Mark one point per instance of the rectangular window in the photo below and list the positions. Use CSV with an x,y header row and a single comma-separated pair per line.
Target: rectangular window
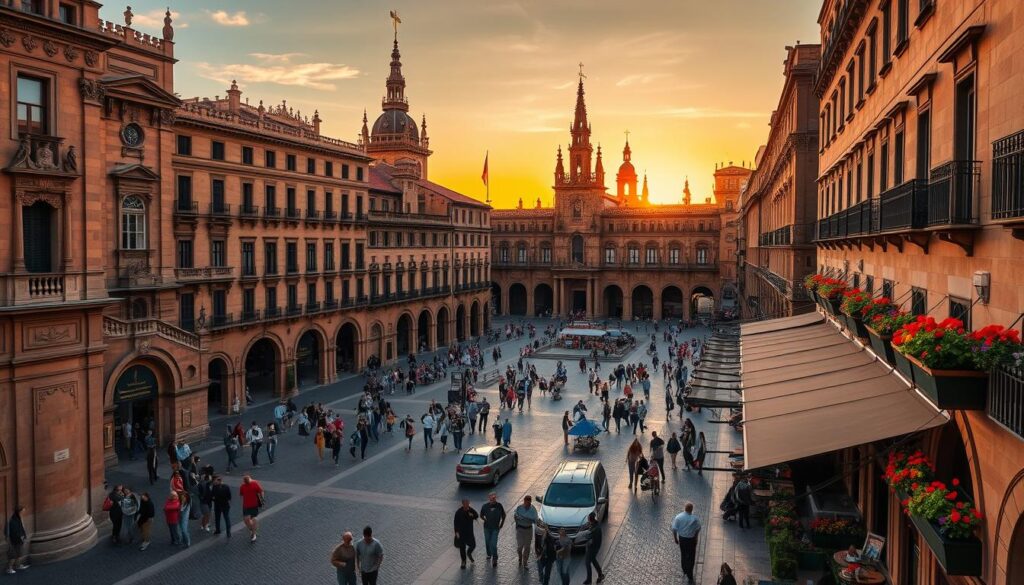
x,y
673,255
218,254
270,159
270,198
329,291
961,309
886,32
184,145
850,89
344,204
187,311
503,255
184,193
344,171
217,196
217,150
360,256
860,74
887,289
634,255
68,15
902,22
247,203
872,57
310,257
883,168
360,288
359,206
247,156
293,296
964,119
329,256
220,305
270,258
869,284
248,303
329,168
918,301
346,262
311,166
860,180
310,200
924,142
545,255
359,173
185,254
328,202
248,259
521,254
346,292
291,257
33,105
290,163
310,294
290,202
702,255
652,256
897,164
271,300
871,176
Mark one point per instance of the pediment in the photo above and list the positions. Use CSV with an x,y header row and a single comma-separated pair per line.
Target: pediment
x,y
134,172
139,89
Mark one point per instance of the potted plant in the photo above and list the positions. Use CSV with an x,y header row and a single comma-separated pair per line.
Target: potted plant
x,y
854,303
810,557
881,323
831,291
836,533
942,357
811,283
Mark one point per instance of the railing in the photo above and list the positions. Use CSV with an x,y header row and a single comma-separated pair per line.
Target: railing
x,y
292,311
221,321
271,312
951,199
43,286
1006,399
292,213
206,273
272,212
904,206
331,215
220,209
330,304
313,307
1008,177
399,216
250,211
780,237
250,316
185,207
313,214
116,328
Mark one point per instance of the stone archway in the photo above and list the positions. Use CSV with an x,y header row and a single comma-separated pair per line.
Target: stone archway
x,y
404,335
346,346
441,331
543,299
423,330
672,306
460,323
261,369
643,302
217,391
613,301
376,342
702,302
308,352
474,319
517,299
496,296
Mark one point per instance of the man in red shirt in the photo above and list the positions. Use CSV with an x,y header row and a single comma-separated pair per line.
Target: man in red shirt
x,y
252,500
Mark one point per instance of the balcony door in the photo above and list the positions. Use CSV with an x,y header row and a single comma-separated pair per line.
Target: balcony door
x,y
37,231
964,126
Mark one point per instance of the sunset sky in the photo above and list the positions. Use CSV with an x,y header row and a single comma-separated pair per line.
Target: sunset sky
x,y
693,81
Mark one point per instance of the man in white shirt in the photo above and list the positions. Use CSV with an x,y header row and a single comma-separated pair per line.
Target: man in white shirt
x,y
428,430
255,437
685,528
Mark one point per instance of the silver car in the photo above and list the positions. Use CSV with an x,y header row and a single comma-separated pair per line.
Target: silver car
x,y
577,489
486,464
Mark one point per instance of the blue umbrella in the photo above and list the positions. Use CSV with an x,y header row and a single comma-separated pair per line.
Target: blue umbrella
x,y
585,428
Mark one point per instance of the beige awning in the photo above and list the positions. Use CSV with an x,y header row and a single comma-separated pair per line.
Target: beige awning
x,y
808,389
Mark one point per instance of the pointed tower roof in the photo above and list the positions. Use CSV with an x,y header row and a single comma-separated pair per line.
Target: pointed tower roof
x,y
686,192
645,193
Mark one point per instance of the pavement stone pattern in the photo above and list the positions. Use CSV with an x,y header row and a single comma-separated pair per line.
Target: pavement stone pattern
x,y
409,499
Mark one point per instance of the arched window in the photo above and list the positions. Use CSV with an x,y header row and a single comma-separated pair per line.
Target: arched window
x,y
545,253
503,253
521,253
609,254
577,248
673,254
133,223
652,255
702,254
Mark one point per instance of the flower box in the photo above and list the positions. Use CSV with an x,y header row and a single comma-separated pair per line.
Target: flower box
x,y
881,345
957,557
811,560
832,306
902,363
856,326
951,389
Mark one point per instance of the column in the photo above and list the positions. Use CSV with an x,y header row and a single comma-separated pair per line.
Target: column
x,y
627,305
19,239
590,297
656,309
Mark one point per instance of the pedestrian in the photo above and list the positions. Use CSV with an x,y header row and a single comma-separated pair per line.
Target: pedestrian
x,y
673,447
206,499
593,548
442,432
16,536
152,461
465,539
172,515
566,425
700,451
231,446
221,505
272,431
725,576
658,452
428,429
688,443
343,558
485,411
633,455
606,415
129,515
641,413
563,555
458,430
255,437
497,429
113,505
279,412
147,511
369,556
547,554
184,536
493,515
472,412
506,432
685,529
319,442
743,497
410,430
335,439
525,517
251,493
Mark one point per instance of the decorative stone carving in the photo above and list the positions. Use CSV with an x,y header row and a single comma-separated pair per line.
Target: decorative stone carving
x,y
70,53
23,157
50,335
70,160
128,16
168,29
91,57
168,117
49,48
29,42
46,393
144,347
92,90
6,38
54,200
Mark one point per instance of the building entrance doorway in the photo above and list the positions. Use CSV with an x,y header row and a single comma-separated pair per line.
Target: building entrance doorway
x,y
579,301
135,397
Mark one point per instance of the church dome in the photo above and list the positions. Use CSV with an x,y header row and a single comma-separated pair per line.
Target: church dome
x,y
626,170
392,122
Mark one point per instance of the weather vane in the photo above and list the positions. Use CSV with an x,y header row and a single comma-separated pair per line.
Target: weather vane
x,y
395,21
627,134
582,76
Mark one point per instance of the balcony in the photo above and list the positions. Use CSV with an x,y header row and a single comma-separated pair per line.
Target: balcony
x,y
904,207
222,321
780,237
1006,399
293,311
272,213
330,216
186,208
398,217
250,316
249,212
313,307
293,213
204,274
1008,179
41,287
951,193
220,210
312,215
271,312
330,304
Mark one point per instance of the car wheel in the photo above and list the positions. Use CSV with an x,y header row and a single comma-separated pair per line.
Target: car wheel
x,y
496,478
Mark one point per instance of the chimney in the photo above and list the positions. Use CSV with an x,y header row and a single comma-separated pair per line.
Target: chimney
x,y
234,98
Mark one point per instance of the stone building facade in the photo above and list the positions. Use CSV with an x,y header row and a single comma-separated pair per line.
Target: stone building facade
x,y
778,208
921,141
618,255
164,255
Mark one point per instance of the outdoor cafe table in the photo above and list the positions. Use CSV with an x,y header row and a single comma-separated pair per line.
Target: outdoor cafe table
x,y
870,577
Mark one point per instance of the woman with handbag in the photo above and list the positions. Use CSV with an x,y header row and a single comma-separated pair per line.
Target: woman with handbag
x,y
673,447
699,453
689,440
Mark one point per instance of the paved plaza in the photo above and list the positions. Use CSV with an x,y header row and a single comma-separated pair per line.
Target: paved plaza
x,y
409,500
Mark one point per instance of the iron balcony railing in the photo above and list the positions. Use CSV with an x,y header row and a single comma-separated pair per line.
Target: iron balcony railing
x,y
1008,177
271,212
272,312
250,211
185,207
780,237
250,316
222,320
904,206
951,193
1006,399
220,209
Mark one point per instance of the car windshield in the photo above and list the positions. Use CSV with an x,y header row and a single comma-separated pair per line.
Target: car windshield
x,y
569,495
473,459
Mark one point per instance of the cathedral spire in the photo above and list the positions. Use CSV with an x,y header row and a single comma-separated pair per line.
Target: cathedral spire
x,y
599,168
395,98
365,133
580,149
644,194
559,168
686,192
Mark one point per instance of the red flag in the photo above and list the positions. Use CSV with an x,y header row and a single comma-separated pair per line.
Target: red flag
x,y
485,177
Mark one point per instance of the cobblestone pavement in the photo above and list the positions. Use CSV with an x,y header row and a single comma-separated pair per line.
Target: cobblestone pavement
x,y
409,498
